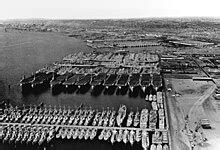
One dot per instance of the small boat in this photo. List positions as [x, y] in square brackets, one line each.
[106, 119]
[54, 120]
[7, 136]
[160, 105]
[138, 136]
[31, 137]
[147, 98]
[157, 137]
[136, 118]
[88, 132]
[50, 136]
[153, 119]
[42, 138]
[76, 120]
[130, 118]
[19, 137]
[145, 140]
[95, 120]
[69, 133]
[82, 118]
[125, 136]
[82, 133]
[36, 137]
[112, 119]
[77, 132]
[131, 137]
[25, 137]
[107, 135]
[93, 134]
[165, 137]
[101, 136]
[165, 147]
[159, 147]
[154, 98]
[114, 133]
[13, 136]
[58, 135]
[153, 147]
[89, 117]
[101, 119]
[144, 118]
[64, 133]
[150, 97]
[65, 118]
[161, 122]
[154, 105]
[119, 135]
[121, 115]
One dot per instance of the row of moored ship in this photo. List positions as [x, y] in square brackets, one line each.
[40, 124]
[36, 134]
[72, 72]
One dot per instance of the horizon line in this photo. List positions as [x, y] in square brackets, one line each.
[123, 18]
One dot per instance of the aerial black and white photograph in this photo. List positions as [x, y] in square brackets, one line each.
[110, 75]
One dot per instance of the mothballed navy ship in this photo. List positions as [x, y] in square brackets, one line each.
[145, 81]
[157, 81]
[98, 79]
[42, 80]
[122, 80]
[72, 80]
[57, 80]
[134, 81]
[103, 70]
[111, 79]
[25, 83]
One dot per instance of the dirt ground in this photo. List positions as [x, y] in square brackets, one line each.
[187, 92]
[194, 97]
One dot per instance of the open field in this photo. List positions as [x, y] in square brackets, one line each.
[189, 91]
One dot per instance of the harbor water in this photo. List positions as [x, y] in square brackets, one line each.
[23, 53]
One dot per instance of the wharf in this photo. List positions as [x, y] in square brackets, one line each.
[85, 127]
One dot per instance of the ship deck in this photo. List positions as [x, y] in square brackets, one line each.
[134, 80]
[78, 126]
[98, 79]
[30, 79]
[123, 79]
[83, 81]
[73, 79]
[145, 80]
[60, 79]
[110, 80]
[41, 78]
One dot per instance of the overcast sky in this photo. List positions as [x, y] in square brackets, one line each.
[93, 9]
